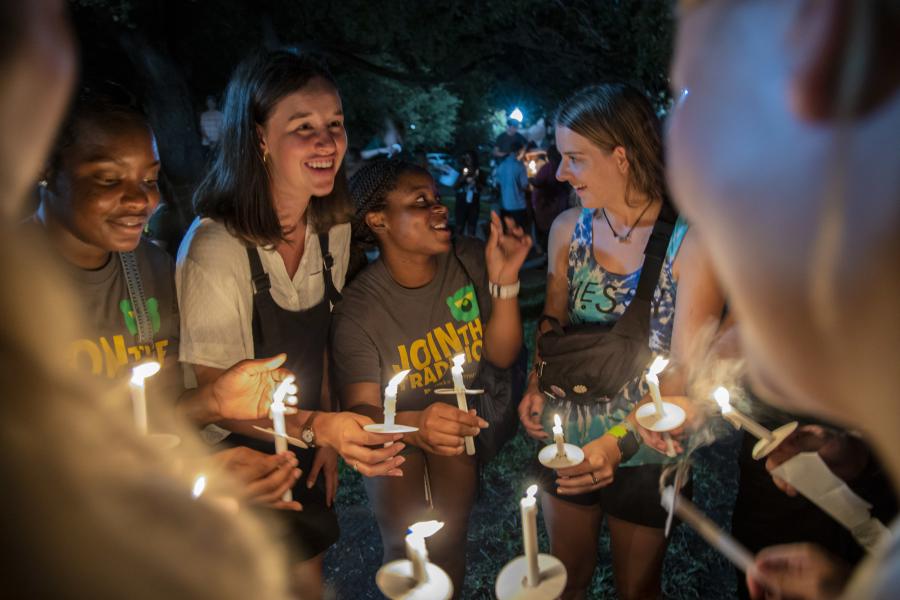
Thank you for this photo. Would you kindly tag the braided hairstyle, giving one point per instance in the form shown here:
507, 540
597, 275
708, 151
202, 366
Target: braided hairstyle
369, 188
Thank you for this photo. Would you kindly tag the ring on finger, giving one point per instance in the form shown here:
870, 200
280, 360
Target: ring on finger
594, 479
355, 466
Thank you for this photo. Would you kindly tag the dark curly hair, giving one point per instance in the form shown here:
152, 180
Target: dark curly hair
369, 188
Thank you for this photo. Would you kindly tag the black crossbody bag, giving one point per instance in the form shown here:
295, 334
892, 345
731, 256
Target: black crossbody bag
592, 361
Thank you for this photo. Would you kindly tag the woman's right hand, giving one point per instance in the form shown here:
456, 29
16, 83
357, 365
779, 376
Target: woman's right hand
442, 429
343, 431
530, 409
264, 477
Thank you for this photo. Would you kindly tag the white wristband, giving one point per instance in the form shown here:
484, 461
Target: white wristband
504, 291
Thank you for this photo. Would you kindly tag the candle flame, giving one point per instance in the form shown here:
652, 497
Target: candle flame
396, 379
141, 372
531, 491
282, 390
424, 529
459, 360
557, 421
722, 398
659, 363
199, 486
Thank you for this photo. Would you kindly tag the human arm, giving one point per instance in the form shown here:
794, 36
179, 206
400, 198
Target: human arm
325, 460
242, 392
844, 453
504, 254
555, 305
699, 305
341, 431
798, 572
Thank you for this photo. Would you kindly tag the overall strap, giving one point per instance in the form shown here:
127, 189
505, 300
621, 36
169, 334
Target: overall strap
137, 296
331, 292
258, 276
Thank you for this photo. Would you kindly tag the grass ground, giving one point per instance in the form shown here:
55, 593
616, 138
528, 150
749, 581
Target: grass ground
691, 570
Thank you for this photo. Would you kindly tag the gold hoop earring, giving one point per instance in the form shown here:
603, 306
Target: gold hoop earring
266, 157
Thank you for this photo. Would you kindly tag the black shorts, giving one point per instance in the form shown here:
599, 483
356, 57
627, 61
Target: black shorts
633, 496
311, 531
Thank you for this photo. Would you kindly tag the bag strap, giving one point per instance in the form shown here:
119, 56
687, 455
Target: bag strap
331, 291
137, 296
655, 251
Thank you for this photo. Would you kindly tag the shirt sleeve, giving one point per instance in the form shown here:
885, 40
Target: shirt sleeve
215, 316
355, 355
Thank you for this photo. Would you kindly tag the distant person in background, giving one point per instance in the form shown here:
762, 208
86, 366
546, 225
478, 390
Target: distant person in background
513, 182
389, 143
468, 195
549, 196
506, 141
211, 125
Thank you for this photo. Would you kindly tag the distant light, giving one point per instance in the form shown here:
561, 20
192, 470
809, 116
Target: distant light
199, 486
517, 115
412, 125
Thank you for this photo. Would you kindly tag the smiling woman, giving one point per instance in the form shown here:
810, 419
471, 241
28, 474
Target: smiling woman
260, 269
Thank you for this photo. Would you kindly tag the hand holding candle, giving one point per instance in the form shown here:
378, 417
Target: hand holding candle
138, 393
660, 416
768, 440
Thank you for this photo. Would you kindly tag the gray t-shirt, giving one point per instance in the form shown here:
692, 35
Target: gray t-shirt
108, 345
381, 328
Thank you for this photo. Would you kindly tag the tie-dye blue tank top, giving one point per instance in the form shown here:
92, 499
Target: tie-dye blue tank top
598, 295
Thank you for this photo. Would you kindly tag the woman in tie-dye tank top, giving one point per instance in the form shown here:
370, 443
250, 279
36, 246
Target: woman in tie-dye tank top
612, 155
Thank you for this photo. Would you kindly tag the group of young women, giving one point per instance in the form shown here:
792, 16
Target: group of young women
258, 291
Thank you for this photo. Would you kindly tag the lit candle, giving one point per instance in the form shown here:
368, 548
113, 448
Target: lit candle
459, 386
277, 410
528, 506
739, 419
416, 551
558, 437
138, 394
390, 397
199, 486
652, 377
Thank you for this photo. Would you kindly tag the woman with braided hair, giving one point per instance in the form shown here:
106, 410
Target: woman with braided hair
415, 308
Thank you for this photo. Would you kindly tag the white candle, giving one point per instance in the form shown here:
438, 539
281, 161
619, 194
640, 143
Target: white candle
652, 377
459, 386
277, 410
709, 531
528, 506
138, 393
737, 418
390, 397
416, 551
199, 486
558, 437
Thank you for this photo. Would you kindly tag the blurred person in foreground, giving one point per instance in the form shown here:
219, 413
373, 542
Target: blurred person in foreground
786, 144
90, 509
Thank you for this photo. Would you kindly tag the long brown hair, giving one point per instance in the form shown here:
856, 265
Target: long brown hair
616, 114
237, 191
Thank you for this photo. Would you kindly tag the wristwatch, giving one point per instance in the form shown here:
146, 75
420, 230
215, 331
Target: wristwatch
306, 433
627, 440
503, 291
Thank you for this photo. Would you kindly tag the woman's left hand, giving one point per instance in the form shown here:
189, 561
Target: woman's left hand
326, 460
505, 252
601, 457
